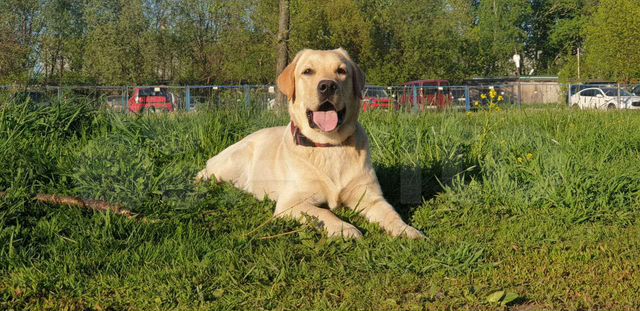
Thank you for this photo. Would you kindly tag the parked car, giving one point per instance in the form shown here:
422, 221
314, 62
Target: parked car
151, 99
376, 97
429, 94
636, 90
575, 88
605, 98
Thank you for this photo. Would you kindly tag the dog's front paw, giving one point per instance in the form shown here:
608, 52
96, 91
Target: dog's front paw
412, 233
344, 230
401, 229
201, 176
205, 176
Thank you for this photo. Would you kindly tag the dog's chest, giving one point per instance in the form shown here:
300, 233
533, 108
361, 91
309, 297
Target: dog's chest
337, 167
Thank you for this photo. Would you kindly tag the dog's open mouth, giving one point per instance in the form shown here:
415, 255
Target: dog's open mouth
326, 118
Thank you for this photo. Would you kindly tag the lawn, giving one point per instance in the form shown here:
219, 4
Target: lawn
528, 209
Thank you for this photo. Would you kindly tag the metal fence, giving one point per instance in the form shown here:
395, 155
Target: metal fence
412, 98
134, 99
406, 98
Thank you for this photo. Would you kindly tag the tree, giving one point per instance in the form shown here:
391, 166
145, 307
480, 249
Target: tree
119, 45
238, 41
20, 24
501, 32
611, 41
62, 40
283, 43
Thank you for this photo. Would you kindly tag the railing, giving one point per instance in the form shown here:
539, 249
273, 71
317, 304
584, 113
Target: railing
408, 98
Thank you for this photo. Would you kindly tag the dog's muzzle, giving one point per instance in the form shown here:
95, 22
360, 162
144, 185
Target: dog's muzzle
326, 118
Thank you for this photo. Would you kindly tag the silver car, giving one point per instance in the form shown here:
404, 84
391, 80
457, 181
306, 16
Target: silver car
605, 98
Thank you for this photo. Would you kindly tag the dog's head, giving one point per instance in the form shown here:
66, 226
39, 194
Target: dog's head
324, 89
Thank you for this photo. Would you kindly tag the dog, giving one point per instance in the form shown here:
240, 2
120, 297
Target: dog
321, 158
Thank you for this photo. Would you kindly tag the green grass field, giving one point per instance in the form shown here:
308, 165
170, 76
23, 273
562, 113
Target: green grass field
523, 209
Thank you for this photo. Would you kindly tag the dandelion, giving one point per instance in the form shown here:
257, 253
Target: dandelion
483, 96
500, 98
493, 94
529, 156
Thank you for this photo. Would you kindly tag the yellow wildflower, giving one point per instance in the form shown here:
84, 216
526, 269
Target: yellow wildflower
500, 98
529, 156
483, 96
476, 104
493, 94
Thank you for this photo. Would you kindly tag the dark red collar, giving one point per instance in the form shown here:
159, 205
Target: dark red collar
301, 140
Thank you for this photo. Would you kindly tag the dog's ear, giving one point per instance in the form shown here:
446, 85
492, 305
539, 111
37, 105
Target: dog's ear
358, 80
357, 76
287, 79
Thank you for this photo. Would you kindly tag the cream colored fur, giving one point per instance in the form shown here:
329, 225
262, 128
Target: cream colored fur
301, 179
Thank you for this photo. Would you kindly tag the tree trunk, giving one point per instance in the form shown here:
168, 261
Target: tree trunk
61, 70
283, 44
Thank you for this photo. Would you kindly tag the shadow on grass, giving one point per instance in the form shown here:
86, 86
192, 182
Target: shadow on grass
408, 187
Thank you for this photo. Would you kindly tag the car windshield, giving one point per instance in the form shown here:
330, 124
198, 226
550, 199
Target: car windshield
376, 92
152, 92
614, 92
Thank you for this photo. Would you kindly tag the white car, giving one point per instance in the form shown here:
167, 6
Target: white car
605, 98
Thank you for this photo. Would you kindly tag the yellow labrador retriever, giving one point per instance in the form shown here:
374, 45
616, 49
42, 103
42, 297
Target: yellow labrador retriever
321, 158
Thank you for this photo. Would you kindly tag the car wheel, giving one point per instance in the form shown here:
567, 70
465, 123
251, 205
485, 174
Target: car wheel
611, 106
147, 111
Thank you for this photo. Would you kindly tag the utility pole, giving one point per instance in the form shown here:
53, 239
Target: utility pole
516, 60
578, 64
283, 45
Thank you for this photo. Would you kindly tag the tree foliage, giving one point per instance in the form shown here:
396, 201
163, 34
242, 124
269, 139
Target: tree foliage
612, 41
234, 41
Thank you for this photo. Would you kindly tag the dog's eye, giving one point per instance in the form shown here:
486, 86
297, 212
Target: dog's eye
308, 71
341, 71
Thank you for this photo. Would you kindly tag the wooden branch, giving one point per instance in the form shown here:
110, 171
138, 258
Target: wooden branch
96, 205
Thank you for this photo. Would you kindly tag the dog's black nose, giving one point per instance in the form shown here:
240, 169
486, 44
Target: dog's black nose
327, 88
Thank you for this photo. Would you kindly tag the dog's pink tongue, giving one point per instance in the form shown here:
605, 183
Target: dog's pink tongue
327, 121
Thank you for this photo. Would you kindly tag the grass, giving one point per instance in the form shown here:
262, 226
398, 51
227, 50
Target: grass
524, 210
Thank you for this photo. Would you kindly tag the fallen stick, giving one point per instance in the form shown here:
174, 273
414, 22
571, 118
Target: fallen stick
96, 205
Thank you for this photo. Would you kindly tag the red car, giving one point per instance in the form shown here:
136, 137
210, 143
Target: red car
428, 93
375, 97
151, 99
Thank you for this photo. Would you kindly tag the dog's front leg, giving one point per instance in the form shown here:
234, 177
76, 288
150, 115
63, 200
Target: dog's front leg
377, 210
301, 208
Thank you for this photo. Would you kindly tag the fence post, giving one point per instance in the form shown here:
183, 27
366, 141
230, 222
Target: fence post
618, 99
124, 99
414, 104
188, 99
217, 103
519, 93
568, 94
247, 96
467, 100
